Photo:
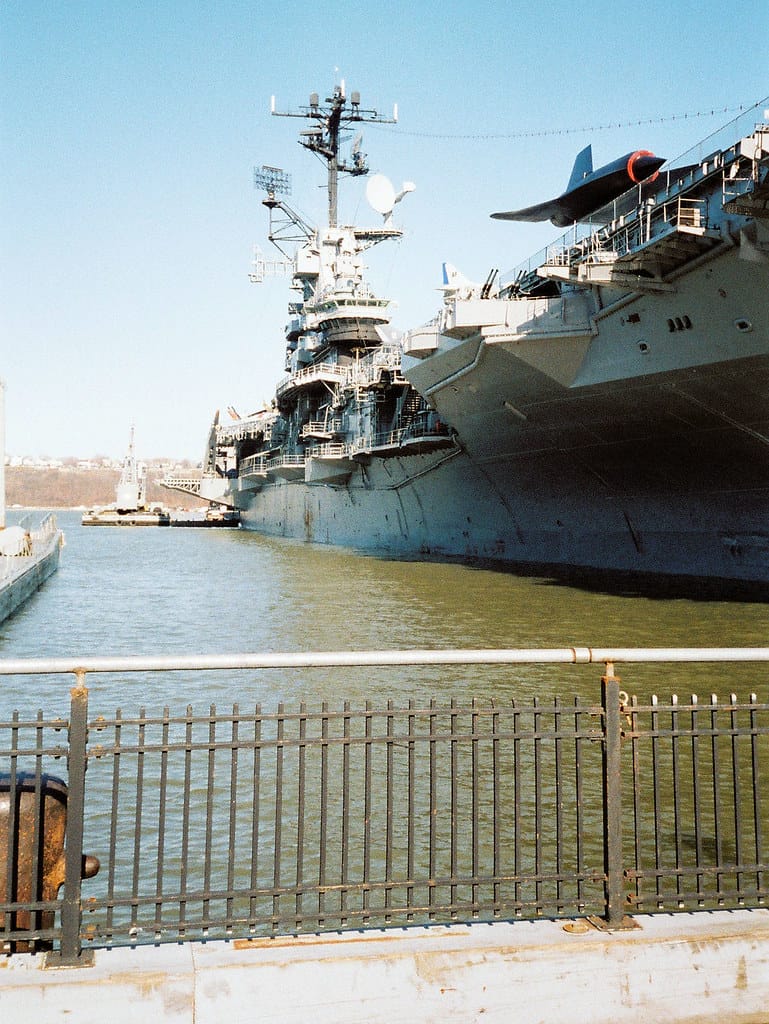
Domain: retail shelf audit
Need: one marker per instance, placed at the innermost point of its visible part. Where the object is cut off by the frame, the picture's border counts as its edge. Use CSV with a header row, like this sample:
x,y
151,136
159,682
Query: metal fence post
x,y
71,953
614,916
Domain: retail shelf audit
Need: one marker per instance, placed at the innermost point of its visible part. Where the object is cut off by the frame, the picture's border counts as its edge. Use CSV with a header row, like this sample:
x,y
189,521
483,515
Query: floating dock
x,y
133,517
207,518
161,517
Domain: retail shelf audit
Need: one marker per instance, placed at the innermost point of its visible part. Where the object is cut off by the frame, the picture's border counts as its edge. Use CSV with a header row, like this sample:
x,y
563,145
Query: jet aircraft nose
x,y
642,165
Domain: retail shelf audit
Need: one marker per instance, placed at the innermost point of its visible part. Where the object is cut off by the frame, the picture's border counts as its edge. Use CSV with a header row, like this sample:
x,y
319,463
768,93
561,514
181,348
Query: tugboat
x,y
130,507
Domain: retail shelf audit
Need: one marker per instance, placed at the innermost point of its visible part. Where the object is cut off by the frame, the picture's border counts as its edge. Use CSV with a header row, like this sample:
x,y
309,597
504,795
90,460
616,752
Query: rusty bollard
x,y
32,832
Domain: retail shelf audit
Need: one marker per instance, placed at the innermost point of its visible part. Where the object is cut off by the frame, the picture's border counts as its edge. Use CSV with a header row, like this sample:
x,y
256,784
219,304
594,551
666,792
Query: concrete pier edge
x,y
689,967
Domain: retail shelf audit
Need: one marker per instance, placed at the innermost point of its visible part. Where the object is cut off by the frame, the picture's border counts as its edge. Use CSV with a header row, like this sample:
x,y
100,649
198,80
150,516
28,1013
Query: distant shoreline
x,y
71,488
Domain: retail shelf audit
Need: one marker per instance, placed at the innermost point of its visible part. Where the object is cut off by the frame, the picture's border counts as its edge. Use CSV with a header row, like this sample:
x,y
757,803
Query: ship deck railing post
x,y
71,952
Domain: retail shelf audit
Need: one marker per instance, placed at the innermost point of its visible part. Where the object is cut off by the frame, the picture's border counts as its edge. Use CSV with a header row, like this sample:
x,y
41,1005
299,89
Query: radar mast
x,y
323,138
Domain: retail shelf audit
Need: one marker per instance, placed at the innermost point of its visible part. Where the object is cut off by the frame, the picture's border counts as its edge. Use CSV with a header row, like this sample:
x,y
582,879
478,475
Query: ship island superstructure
x,y
605,406
344,399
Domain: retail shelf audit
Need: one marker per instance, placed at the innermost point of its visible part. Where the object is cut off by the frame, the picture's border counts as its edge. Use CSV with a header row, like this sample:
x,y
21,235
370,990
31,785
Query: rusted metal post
x,y
612,801
33,819
71,953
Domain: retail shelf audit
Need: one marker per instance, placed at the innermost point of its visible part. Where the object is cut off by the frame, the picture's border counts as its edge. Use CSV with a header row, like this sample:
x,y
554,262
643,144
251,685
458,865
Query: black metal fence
x,y
243,822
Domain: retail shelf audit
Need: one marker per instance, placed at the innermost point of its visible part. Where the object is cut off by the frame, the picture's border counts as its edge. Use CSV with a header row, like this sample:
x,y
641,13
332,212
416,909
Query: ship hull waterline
x,y
635,496
33,571
457,510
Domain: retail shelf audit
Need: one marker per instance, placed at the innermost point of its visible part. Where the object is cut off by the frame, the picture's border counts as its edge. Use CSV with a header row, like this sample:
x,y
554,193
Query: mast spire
x,y
323,138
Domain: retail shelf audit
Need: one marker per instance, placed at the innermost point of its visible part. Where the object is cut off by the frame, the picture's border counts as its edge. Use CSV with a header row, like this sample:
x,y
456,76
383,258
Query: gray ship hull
x,y
29,573
537,509
667,474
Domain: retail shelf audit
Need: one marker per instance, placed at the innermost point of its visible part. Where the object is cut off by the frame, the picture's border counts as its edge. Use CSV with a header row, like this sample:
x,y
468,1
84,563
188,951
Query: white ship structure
x,y
604,407
130,507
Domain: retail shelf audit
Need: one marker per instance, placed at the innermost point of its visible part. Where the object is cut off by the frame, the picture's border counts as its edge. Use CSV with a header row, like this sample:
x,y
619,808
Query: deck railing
x,y
243,821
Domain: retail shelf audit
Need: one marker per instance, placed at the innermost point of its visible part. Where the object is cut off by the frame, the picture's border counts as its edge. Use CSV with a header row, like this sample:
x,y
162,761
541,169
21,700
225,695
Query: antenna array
x,y
273,180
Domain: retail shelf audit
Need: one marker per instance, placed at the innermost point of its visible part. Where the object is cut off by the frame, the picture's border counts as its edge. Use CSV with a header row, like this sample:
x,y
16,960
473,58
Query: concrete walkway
x,y
704,967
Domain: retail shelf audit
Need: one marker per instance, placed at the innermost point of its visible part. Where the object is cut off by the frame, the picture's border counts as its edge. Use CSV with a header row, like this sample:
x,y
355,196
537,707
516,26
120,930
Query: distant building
x,y
35,462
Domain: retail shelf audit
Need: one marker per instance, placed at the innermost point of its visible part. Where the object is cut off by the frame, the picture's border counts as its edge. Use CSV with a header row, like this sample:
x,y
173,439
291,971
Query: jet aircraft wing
x,y
541,211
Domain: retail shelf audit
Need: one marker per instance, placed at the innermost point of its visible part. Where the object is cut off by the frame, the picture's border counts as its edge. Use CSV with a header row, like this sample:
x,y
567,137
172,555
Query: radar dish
x,y
380,194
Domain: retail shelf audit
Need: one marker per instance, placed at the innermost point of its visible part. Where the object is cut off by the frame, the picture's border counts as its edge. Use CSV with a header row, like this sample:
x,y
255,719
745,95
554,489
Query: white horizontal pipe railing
x,y
330,659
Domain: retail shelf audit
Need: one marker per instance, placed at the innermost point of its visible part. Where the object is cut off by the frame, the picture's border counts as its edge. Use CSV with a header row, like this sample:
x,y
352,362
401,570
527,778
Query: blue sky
x,y
129,132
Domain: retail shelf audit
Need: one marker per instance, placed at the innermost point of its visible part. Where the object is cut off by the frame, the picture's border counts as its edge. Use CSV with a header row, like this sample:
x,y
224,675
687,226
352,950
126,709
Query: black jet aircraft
x,y
589,190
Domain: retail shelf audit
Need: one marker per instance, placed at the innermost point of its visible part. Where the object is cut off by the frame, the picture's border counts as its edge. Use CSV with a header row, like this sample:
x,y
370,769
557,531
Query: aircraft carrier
x,y
604,407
